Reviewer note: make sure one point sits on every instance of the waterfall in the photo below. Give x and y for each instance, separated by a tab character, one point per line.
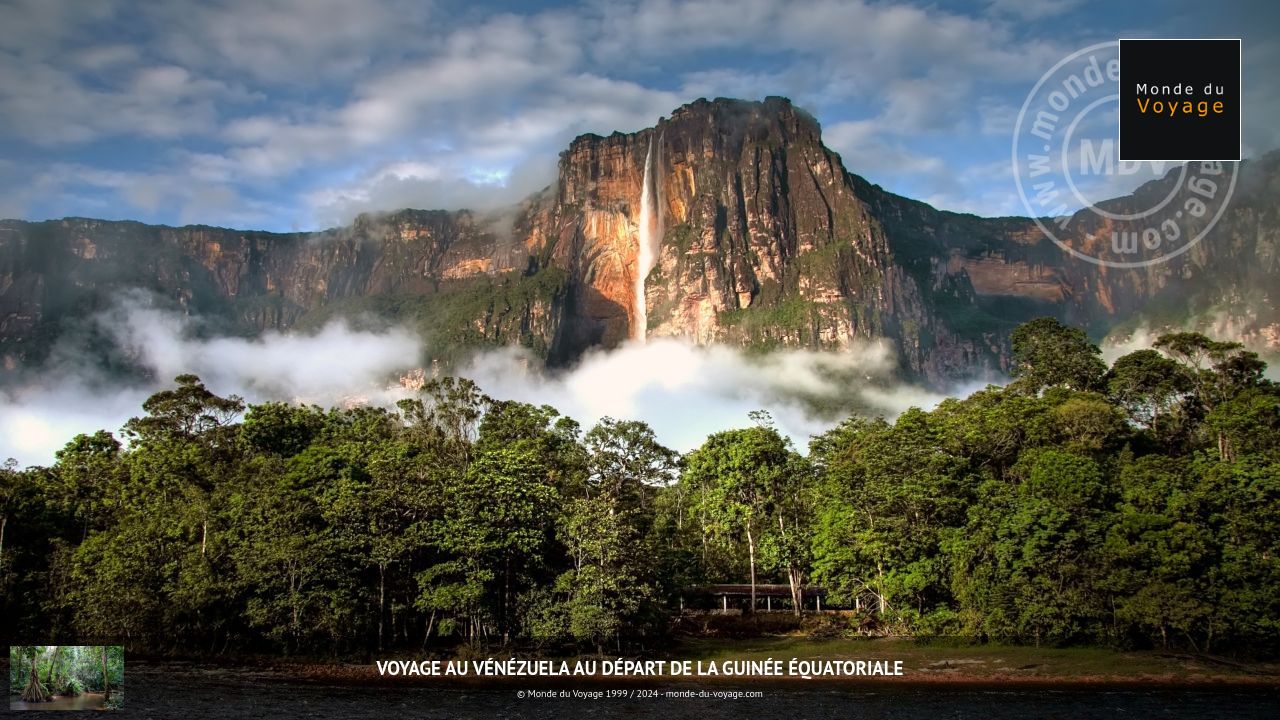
650	237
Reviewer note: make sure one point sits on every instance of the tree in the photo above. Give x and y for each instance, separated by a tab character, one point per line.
738	474
993	426
183	443
291	568
384	513
280	428
189	410
53	665
1195	349
1232	368
1047	353
1147	385
163	507
626	461
35	692
1087	423
1158	550
888	494
1234	371
607	589
1145	515
9	478
493	536
610	584
1240	498
446	417
1248	423
106	676
1027	565
790	547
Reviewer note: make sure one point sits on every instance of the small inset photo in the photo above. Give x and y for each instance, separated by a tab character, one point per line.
66	677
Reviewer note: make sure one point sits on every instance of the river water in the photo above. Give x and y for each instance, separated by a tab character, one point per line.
193	693
83	701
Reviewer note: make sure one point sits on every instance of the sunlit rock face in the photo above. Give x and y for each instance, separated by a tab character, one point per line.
758	236
764	241
767	240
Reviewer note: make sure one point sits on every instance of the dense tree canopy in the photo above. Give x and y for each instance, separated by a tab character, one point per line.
1136	505
1047	353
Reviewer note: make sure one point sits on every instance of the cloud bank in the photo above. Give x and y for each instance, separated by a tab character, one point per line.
684	391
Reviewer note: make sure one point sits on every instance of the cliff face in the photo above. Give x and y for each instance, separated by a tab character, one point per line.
765	240
1225	284
459	273
757	235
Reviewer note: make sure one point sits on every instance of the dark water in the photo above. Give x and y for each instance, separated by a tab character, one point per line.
193	694
83	701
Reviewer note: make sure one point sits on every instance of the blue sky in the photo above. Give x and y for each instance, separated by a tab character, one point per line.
297	114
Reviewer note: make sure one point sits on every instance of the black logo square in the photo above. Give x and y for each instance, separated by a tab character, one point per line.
1180	99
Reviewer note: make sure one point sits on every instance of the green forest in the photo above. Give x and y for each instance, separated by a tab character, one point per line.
1130	506
51	676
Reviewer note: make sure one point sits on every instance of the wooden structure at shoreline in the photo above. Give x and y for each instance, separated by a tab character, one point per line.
733	596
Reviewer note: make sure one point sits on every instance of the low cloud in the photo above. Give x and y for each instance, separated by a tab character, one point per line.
683	390
1236	326
74	395
335	362
686	391
427	185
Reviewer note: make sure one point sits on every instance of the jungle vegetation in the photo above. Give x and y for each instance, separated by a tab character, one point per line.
37	673
1136	505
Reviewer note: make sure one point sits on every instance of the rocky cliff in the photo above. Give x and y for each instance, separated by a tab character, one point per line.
727	222
765	240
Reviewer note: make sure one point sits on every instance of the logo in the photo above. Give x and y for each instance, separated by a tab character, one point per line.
1180	99
1082	196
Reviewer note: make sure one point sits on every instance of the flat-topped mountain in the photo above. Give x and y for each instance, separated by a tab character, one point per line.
728	222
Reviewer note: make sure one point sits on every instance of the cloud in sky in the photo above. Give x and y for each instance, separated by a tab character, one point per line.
288	114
